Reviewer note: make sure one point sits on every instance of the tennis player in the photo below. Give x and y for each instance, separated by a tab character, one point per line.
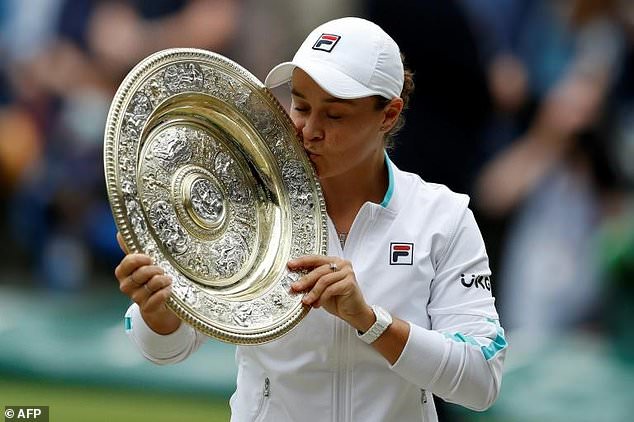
403	303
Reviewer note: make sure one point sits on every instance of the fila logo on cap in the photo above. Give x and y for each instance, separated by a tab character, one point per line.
326	42
401	253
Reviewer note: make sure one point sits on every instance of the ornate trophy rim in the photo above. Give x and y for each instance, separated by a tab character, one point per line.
267	202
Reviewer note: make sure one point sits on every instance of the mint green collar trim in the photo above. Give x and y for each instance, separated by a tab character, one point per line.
390	182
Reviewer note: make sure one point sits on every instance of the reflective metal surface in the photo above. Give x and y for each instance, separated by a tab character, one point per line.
205	174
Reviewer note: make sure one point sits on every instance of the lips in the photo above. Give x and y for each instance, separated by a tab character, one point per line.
310	153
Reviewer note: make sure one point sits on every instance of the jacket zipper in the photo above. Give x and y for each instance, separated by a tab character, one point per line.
339	412
423	404
266	392
267	387
342	407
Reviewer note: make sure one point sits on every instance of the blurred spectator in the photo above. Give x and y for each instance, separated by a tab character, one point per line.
65	59
495	24
121	33
617	232
552	177
571	51
622	113
24	33
63	87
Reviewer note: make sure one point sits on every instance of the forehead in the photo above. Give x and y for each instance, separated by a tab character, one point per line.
304	87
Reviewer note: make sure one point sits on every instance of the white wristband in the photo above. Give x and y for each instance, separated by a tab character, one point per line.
383	321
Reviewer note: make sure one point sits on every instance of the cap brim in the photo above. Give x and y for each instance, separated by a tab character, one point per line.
279	75
330	79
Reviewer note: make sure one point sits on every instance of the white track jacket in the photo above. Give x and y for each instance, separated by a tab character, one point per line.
420	255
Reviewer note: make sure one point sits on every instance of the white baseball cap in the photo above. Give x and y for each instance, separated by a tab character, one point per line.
349	58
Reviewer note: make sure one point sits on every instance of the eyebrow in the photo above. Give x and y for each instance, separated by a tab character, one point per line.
328	100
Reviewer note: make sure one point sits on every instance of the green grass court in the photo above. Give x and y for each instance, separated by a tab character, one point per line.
69	352
68	403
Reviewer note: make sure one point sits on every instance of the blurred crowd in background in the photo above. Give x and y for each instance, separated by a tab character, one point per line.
526	105
62	63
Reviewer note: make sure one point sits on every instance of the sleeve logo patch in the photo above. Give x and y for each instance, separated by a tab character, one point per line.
476	281
401	253
326	42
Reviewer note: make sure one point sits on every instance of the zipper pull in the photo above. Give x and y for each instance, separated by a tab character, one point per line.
423	397
267	387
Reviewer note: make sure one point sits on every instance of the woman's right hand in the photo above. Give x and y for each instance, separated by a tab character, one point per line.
149	287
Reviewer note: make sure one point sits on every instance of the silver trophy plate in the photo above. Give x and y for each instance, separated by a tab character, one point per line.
206	175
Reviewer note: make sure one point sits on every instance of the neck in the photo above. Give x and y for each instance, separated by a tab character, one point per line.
346	193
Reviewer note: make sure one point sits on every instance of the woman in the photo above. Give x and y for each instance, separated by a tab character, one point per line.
412	318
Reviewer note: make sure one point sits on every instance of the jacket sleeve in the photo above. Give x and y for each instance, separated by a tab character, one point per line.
157	348
460	358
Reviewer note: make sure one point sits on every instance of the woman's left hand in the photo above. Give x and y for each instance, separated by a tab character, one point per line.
331	284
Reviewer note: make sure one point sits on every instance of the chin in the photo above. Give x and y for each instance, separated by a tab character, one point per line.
320	174
323	175
318	169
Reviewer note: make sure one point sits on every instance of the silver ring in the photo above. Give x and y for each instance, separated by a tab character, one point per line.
333	267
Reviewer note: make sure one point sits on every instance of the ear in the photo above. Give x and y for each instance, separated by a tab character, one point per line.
391	112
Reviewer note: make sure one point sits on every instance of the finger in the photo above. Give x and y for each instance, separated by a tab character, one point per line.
322	283
122	245
332	291
158	282
145	273
310	261
157	300
308	281
129	264
139	278
140	294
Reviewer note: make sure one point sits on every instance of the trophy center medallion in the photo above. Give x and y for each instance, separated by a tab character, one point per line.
204	201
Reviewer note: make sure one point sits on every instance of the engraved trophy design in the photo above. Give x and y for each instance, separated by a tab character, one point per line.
205	174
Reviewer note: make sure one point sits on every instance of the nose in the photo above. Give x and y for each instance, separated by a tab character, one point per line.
311	128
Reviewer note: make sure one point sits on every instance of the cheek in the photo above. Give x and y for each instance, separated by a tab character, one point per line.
358	133
298	122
